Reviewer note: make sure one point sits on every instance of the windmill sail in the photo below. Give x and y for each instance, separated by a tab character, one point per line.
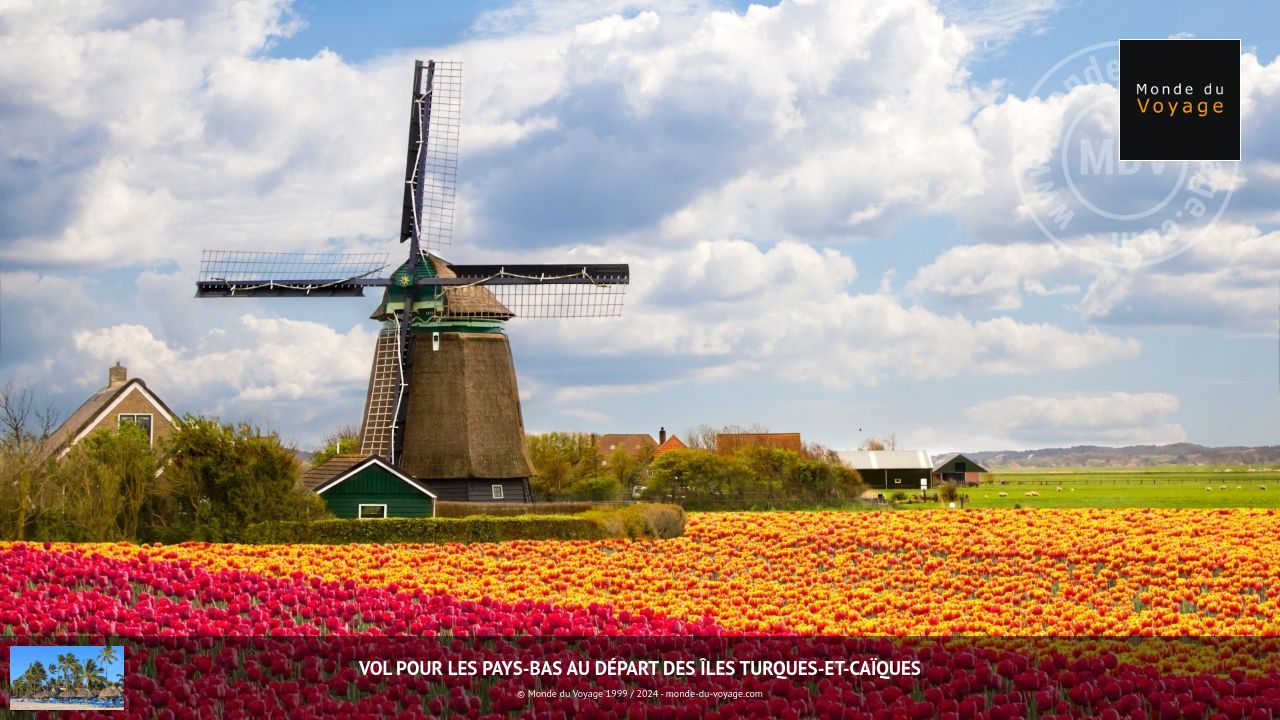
247	273
432	163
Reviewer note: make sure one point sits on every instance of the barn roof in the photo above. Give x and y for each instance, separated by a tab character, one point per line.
92	410
943	460
630	442
731	442
339	468
886	459
671	443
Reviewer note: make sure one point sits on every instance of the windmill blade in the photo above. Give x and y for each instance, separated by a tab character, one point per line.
535	291
431	167
241	273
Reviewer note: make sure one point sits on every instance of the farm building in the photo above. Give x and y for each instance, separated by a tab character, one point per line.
890	469
728	443
632	444
363	486
122	401
671	443
958	469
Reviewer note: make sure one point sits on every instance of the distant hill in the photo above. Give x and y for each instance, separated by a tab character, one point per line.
1132	456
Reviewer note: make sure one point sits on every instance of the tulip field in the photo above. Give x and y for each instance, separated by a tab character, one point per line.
1049	601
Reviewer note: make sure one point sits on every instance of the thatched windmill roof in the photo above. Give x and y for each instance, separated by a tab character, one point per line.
469	300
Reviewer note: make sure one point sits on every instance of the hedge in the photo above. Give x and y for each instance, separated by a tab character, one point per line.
455	509
644	520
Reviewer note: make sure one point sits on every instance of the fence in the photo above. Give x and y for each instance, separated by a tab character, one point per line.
1070	479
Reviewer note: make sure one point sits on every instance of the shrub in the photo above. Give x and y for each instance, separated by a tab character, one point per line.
948	492
899	496
222	478
651	520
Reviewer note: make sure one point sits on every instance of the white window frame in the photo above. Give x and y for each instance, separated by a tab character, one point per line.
151	424
360	511
497	491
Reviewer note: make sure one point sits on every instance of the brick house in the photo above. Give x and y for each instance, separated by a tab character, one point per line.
121	401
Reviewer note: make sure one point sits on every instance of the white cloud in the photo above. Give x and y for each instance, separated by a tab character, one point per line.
268	369
1227	278
788	310
1116	418
996	277
592	416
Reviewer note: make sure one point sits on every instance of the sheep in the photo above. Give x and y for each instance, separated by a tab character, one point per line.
1239	487
1031	493
1059	488
1003	494
1222	487
1208	489
1262	487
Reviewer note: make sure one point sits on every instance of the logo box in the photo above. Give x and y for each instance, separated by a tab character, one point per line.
1180	99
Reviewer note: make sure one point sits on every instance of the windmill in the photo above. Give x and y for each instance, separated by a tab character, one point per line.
442	403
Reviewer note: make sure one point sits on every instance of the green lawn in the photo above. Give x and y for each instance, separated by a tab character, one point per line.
1160	487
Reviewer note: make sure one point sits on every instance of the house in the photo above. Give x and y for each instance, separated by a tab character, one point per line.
890	469
959	469
668	444
632	444
363	486
122	401
729	443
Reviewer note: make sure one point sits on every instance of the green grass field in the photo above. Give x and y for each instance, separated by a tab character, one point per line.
1157	487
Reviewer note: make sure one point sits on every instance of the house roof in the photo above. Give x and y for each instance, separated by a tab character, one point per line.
92	410
886	459
730	442
629	442
671	443
942	461
340	468
330	469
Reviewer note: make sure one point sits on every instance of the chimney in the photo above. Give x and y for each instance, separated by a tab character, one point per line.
662	435
117	376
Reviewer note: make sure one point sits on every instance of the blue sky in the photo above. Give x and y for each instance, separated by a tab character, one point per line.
22	656
820	202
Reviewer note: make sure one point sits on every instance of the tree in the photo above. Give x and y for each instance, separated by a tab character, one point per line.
107	655
697	477
560	459
888	442
628	468
223	478
92	675
32	680
345	439
106	479
703	437
70	669
25	462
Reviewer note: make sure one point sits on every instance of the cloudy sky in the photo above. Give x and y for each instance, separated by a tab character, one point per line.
836	213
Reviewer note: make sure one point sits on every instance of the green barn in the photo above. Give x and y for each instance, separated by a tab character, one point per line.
363	486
